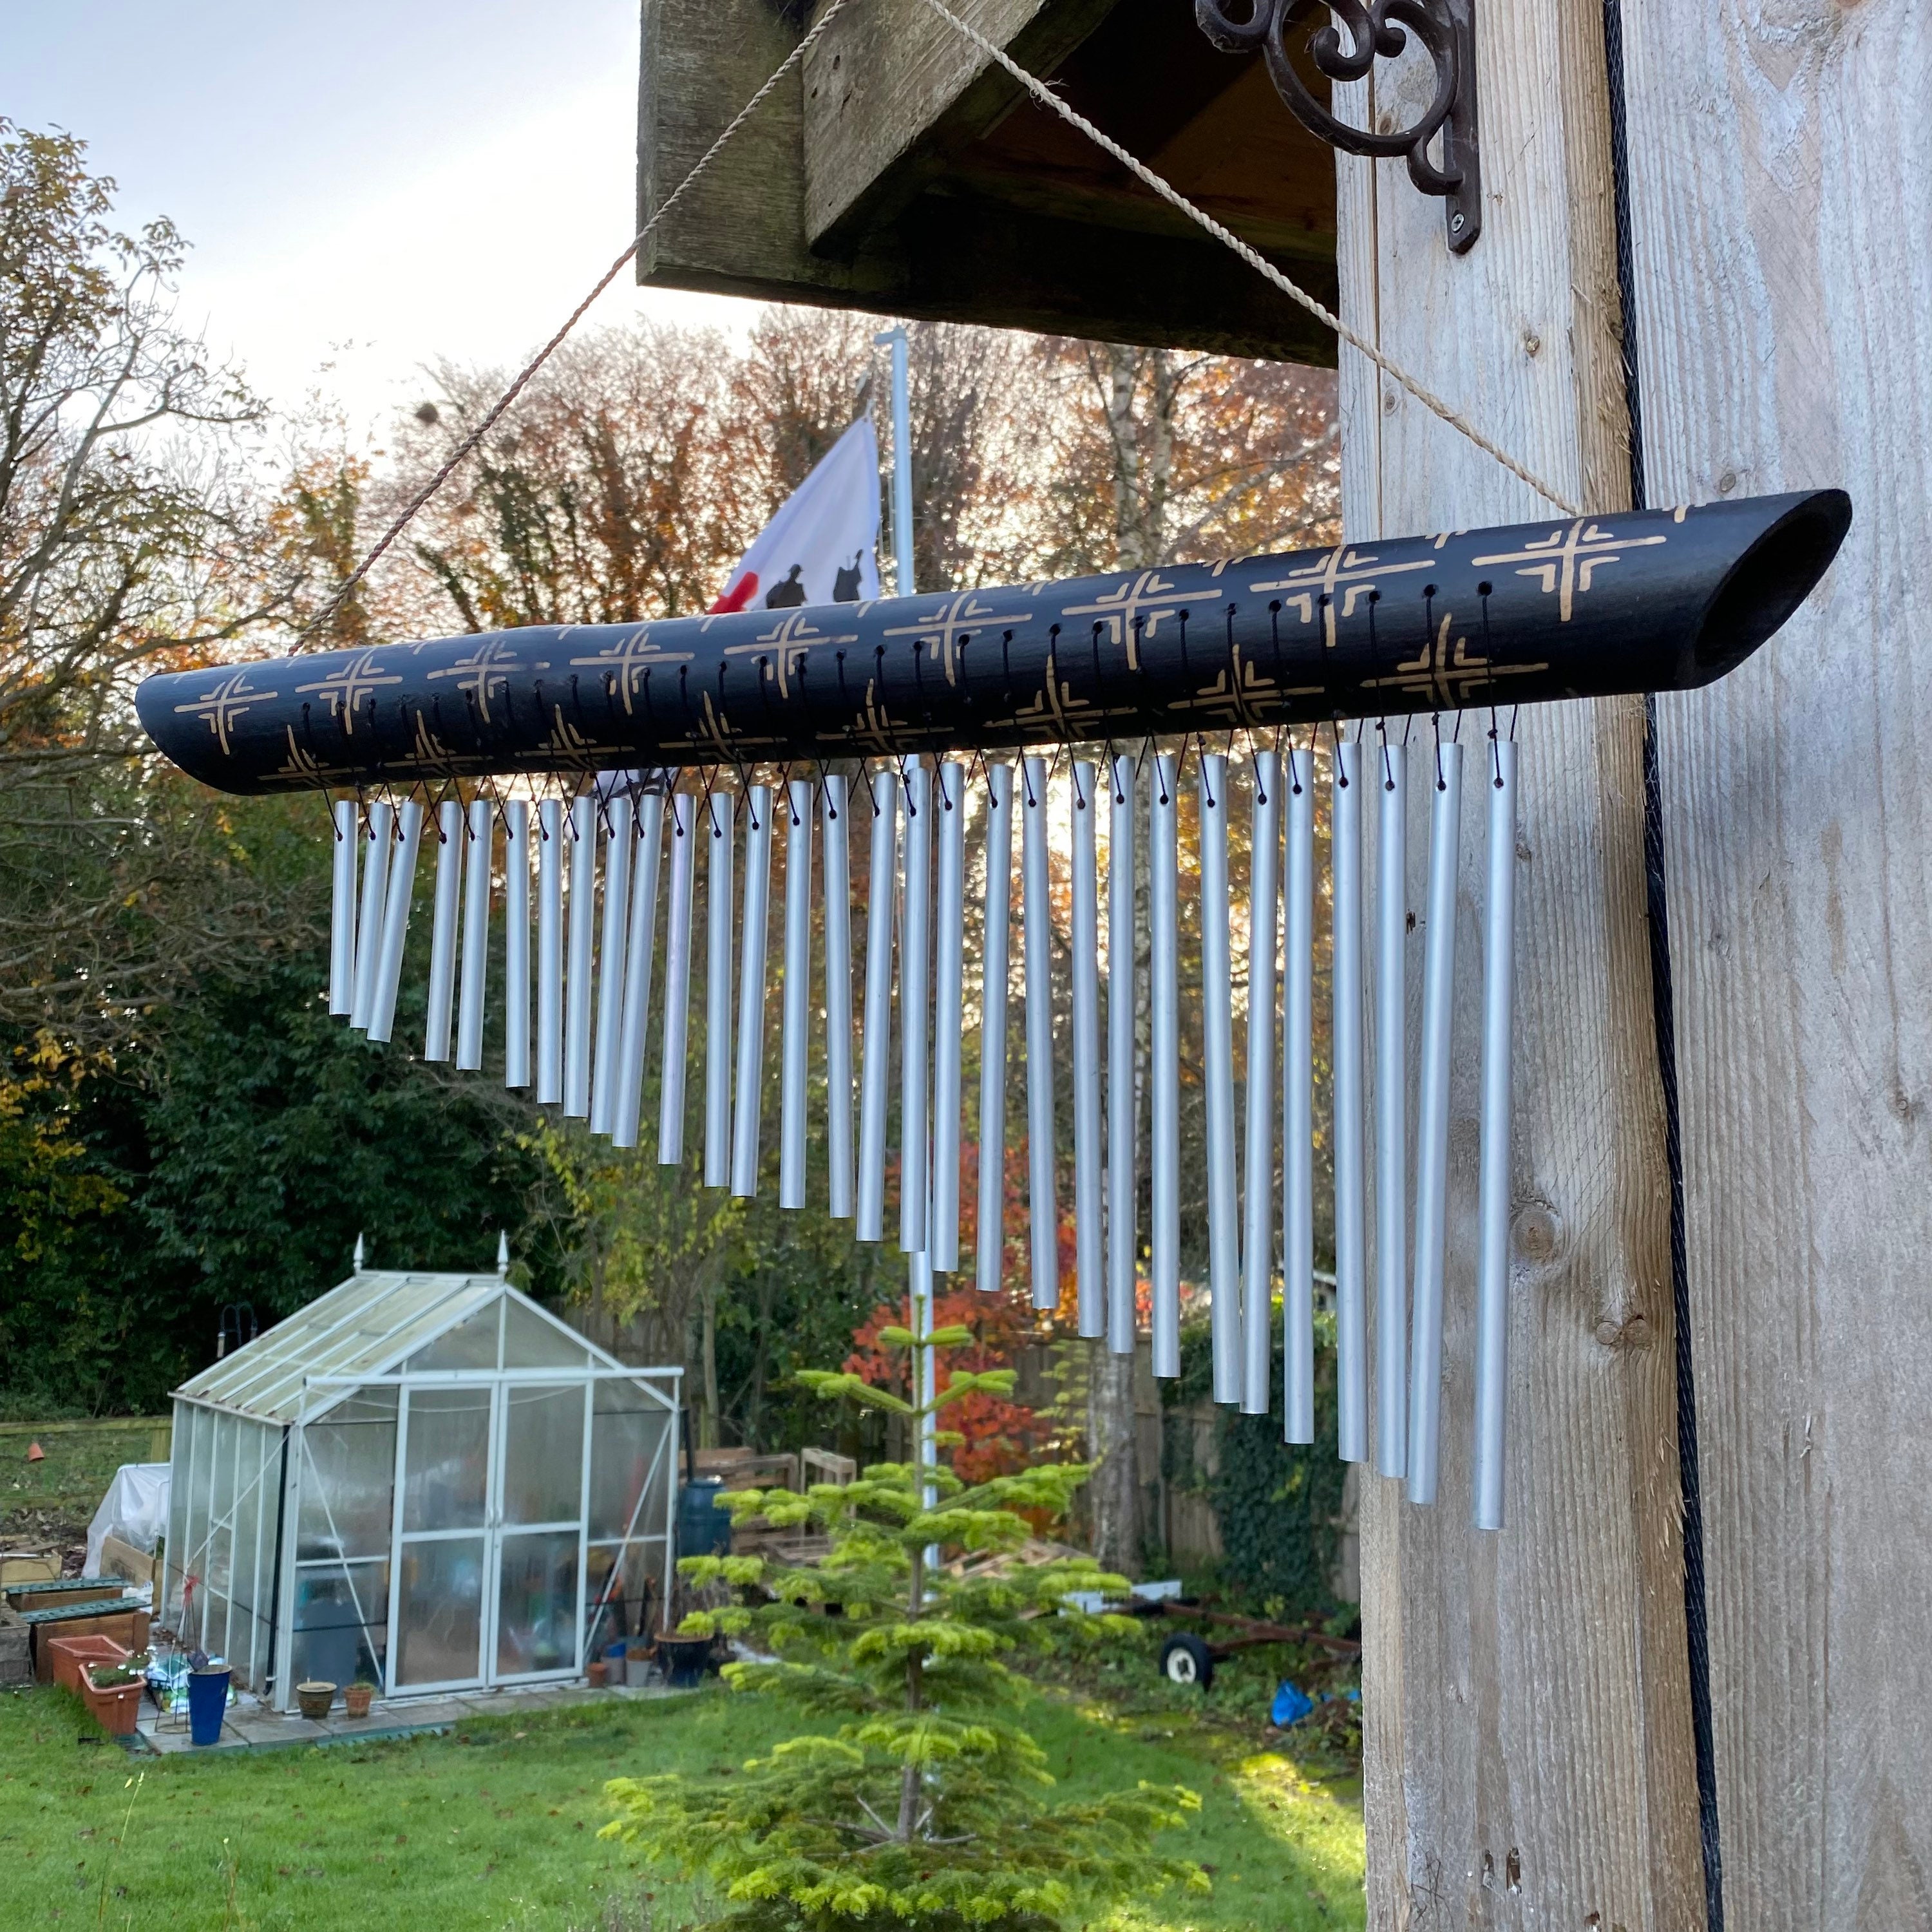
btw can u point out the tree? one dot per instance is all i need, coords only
(923, 1810)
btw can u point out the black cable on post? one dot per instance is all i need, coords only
(1696, 1614)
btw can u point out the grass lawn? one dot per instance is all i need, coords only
(495, 1826)
(52, 1501)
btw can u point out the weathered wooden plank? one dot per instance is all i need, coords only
(1782, 199)
(1529, 1757)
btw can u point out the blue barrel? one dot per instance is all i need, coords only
(207, 1705)
(704, 1523)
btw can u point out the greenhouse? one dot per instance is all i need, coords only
(424, 1482)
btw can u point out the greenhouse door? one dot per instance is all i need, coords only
(537, 1557)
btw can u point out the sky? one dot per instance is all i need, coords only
(368, 185)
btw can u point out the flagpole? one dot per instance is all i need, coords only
(896, 339)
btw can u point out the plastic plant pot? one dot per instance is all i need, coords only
(114, 1707)
(683, 1660)
(207, 1705)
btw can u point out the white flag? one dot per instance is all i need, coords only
(822, 547)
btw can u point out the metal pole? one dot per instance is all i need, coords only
(1492, 1184)
(717, 827)
(793, 1043)
(1431, 1127)
(639, 945)
(915, 956)
(396, 922)
(1257, 1243)
(751, 993)
(550, 952)
(876, 1046)
(442, 929)
(902, 460)
(1351, 1315)
(516, 943)
(1164, 1163)
(611, 966)
(838, 1002)
(948, 1003)
(1089, 1233)
(369, 922)
(475, 936)
(1391, 1111)
(677, 981)
(1042, 1206)
(1121, 1141)
(1224, 1233)
(1297, 1116)
(577, 983)
(995, 939)
(342, 911)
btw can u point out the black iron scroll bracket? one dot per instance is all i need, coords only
(1376, 30)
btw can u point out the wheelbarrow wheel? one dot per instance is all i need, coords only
(1186, 1659)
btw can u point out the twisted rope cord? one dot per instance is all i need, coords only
(1259, 263)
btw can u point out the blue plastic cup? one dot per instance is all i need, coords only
(207, 1705)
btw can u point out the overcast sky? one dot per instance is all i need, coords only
(366, 184)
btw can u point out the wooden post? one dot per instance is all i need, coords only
(1781, 197)
(1529, 1757)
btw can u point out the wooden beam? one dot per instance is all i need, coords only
(1528, 1751)
(1784, 336)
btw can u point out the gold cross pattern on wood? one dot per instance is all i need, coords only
(343, 690)
(1449, 672)
(1344, 573)
(1230, 699)
(789, 641)
(1563, 561)
(1148, 597)
(958, 617)
(221, 707)
(626, 662)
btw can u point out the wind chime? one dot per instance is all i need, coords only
(913, 695)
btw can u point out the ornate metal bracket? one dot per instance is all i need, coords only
(1447, 31)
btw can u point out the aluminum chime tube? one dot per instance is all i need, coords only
(1089, 1235)
(994, 986)
(948, 1016)
(342, 911)
(639, 944)
(1391, 1109)
(792, 1042)
(475, 936)
(396, 923)
(838, 1002)
(750, 1101)
(718, 824)
(1432, 1128)
(1351, 1314)
(442, 929)
(1492, 1184)
(1120, 1150)
(876, 1045)
(369, 921)
(1164, 970)
(1217, 1028)
(1042, 1207)
(677, 980)
(578, 988)
(915, 969)
(1258, 1241)
(1297, 1107)
(516, 943)
(550, 952)
(603, 1074)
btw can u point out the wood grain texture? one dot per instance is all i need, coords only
(1782, 206)
(1529, 1759)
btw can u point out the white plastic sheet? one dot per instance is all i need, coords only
(135, 1509)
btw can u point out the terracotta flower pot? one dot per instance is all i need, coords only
(314, 1699)
(70, 1654)
(598, 1671)
(355, 1700)
(114, 1706)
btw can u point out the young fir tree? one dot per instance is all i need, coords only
(925, 1807)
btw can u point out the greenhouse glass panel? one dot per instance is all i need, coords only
(341, 1623)
(194, 1540)
(445, 1483)
(473, 1343)
(621, 1584)
(628, 1433)
(182, 1438)
(543, 1452)
(241, 1593)
(530, 1341)
(439, 1611)
(536, 1603)
(348, 1479)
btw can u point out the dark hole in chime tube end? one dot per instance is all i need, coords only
(1769, 582)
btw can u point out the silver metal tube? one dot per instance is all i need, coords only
(1121, 1140)
(1217, 1033)
(677, 980)
(1351, 1367)
(396, 921)
(516, 943)
(990, 1234)
(342, 909)
(443, 929)
(750, 1104)
(1389, 776)
(948, 1017)
(611, 966)
(837, 883)
(717, 835)
(915, 985)
(369, 921)
(1036, 930)
(1298, 1113)
(1164, 1014)
(579, 986)
(1090, 1245)
(876, 1045)
(1257, 1236)
(794, 1043)
(1432, 1129)
(640, 944)
(1492, 1182)
(475, 935)
(550, 952)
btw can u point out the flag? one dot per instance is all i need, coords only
(822, 547)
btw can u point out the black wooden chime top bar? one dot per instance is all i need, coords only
(1584, 607)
